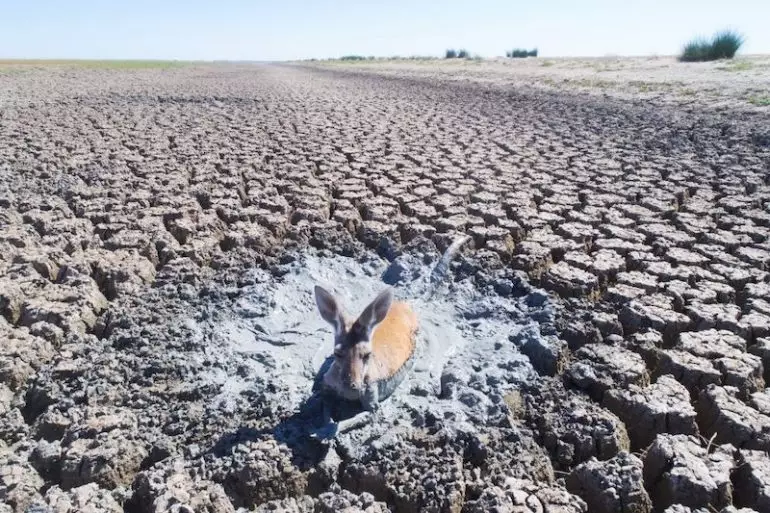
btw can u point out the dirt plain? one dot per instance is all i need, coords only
(627, 226)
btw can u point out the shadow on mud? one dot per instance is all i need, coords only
(295, 431)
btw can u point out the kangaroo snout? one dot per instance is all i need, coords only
(354, 385)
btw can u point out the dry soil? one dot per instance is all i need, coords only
(603, 344)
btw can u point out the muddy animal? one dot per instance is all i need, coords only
(373, 352)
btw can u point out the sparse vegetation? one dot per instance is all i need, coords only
(724, 45)
(696, 50)
(521, 53)
(738, 66)
(761, 101)
(457, 54)
(645, 88)
(590, 83)
(372, 58)
(408, 58)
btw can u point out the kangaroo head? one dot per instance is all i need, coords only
(352, 340)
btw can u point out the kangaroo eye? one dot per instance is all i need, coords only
(365, 357)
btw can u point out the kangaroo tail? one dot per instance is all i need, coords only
(439, 272)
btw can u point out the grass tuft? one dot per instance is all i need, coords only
(738, 66)
(723, 45)
(726, 44)
(696, 50)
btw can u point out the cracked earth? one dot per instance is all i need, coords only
(143, 210)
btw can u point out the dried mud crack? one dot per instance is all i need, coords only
(602, 345)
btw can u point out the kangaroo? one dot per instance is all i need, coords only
(372, 353)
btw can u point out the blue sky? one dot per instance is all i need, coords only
(289, 29)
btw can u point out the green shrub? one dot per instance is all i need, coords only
(353, 58)
(457, 54)
(723, 45)
(726, 44)
(517, 53)
(696, 50)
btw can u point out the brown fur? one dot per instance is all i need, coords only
(393, 340)
(392, 343)
(366, 354)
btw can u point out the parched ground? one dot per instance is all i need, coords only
(132, 197)
(741, 82)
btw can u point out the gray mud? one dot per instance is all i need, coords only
(467, 356)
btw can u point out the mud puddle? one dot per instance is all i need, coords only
(467, 355)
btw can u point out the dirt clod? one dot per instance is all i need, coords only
(611, 486)
(679, 470)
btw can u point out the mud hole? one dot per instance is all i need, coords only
(467, 363)
(467, 355)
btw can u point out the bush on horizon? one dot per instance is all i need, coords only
(723, 45)
(457, 54)
(521, 53)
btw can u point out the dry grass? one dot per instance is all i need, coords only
(737, 66)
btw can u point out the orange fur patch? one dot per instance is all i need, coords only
(393, 339)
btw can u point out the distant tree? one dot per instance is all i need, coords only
(521, 53)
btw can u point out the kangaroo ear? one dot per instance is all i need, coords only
(329, 310)
(377, 310)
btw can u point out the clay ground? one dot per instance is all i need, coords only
(141, 207)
